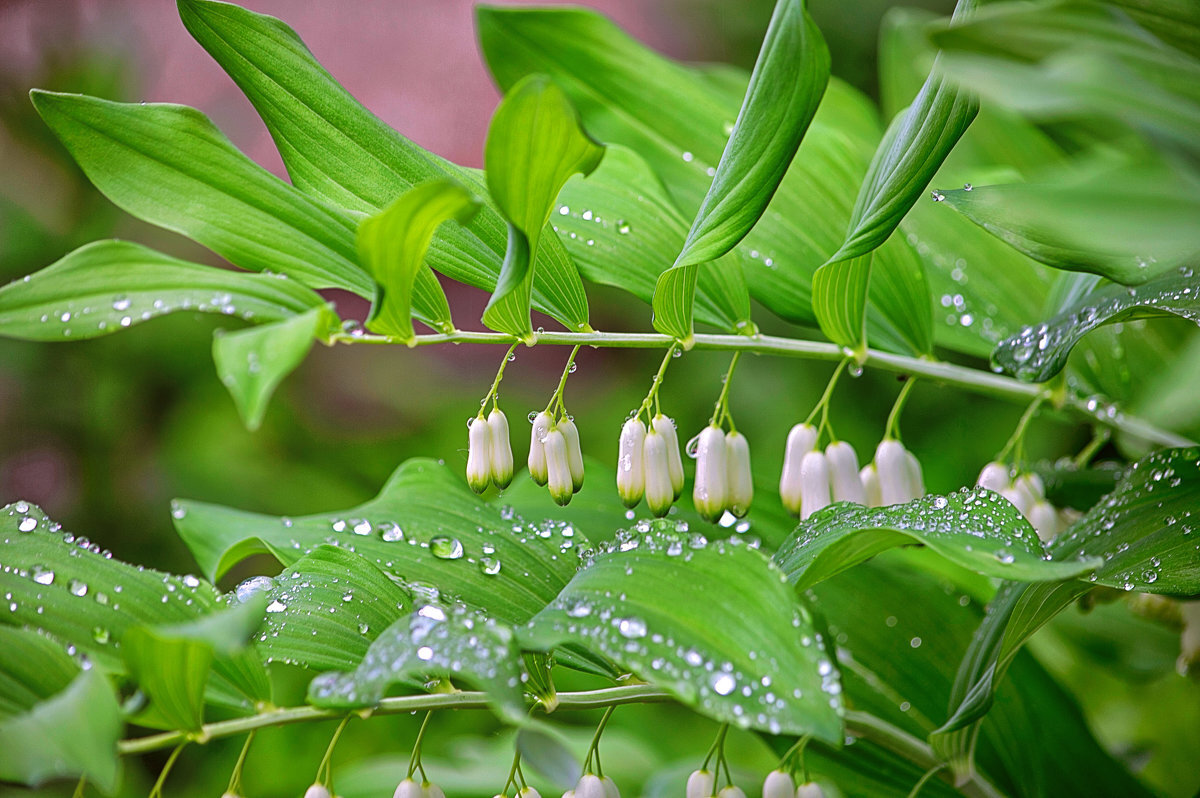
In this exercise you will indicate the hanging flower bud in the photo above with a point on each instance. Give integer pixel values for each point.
(526, 792)
(1044, 518)
(891, 461)
(574, 453)
(810, 790)
(1189, 639)
(666, 428)
(537, 447)
(843, 473)
(502, 459)
(610, 788)
(869, 476)
(407, 789)
(1029, 489)
(800, 441)
(916, 481)
(814, 483)
(779, 784)
(431, 790)
(994, 477)
(1018, 499)
(740, 482)
(479, 455)
(631, 479)
(709, 493)
(558, 468)
(569, 794)
(731, 792)
(317, 791)
(660, 494)
(700, 784)
(589, 786)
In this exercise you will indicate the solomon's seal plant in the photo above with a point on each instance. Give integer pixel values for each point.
(858, 631)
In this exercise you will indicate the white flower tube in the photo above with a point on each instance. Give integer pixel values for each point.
(318, 791)
(408, 789)
(891, 461)
(740, 484)
(660, 494)
(502, 459)
(731, 792)
(610, 788)
(528, 792)
(1018, 499)
(814, 483)
(479, 455)
(700, 784)
(800, 441)
(589, 786)
(558, 468)
(869, 476)
(994, 477)
(431, 790)
(709, 494)
(537, 447)
(631, 478)
(779, 784)
(843, 473)
(1030, 489)
(666, 428)
(810, 790)
(1044, 518)
(574, 453)
(916, 481)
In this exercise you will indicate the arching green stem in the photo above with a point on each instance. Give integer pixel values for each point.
(1016, 443)
(555, 406)
(156, 790)
(721, 410)
(414, 760)
(891, 432)
(493, 394)
(656, 384)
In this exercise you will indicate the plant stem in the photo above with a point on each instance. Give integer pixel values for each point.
(491, 394)
(969, 379)
(892, 430)
(156, 790)
(414, 761)
(1016, 441)
(656, 384)
(822, 405)
(721, 410)
(556, 398)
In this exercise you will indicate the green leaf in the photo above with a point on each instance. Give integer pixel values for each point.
(674, 297)
(168, 165)
(339, 152)
(324, 610)
(66, 587)
(425, 528)
(840, 300)
(451, 642)
(542, 748)
(392, 246)
(715, 624)
(71, 734)
(106, 286)
(974, 528)
(535, 142)
(252, 362)
(1036, 354)
(172, 672)
(32, 668)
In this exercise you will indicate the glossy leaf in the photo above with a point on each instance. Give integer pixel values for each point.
(1038, 353)
(106, 286)
(674, 299)
(974, 528)
(339, 152)
(450, 642)
(168, 165)
(71, 734)
(534, 144)
(32, 668)
(840, 300)
(1129, 225)
(252, 362)
(172, 672)
(89, 600)
(425, 528)
(392, 246)
(324, 610)
(728, 602)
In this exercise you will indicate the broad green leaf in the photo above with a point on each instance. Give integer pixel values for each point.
(425, 528)
(1176, 22)
(535, 142)
(107, 286)
(450, 642)
(252, 362)
(71, 734)
(543, 749)
(324, 610)
(168, 165)
(172, 672)
(1036, 354)
(679, 118)
(1130, 226)
(785, 89)
(392, 246)
(32, 668)
(623, 229)
(840, 301)
(339, 152)
(715, 624)
(974, 528)
(68, 588)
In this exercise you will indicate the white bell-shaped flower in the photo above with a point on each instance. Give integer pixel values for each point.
(502, 459)
(1029, 490)
(317, 791)
(431, 790)
(665, 427)
(631, 475)
(1018, 499)
(710, 491)
(895, 479)
(779, 784)
(589, 786)
(731, 792)
(1189, 638)
(810, 790)
(843, 473)
(574, 453)
(528, 792)
(610, 788)
(1044, 518)
(558, 468)
(569, 794)
(537, 447)
(800, 441)
(994, 477)
(869, 476)
(700, 784)
(740, 484)
(814, 483)
(479, 454)
(408, 789)
(916, 480)
(660, 494)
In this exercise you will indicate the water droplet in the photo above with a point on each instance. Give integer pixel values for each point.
(968, 187)
(43, 576)
(489, 565)
(276, 606)
(722, 683)
(445, 548)
(100, 635)
(363, 628)
(688, 157)
(253, 586)
(937, 195)
(27, 524)
(623, 227)
(632, 628)
(77, 588)
(391, 532)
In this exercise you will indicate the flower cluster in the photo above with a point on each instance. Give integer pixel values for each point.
(410, 788)
(778, 784)
(555, 458)
(723, 480)
(649, 464)
(489, 456)
(1027, 493)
